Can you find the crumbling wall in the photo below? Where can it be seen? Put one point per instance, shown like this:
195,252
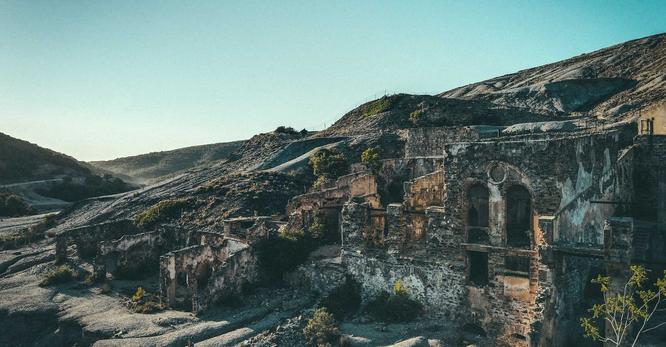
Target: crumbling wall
194,277
131,255
87,238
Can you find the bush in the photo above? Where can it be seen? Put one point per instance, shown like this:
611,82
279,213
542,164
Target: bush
329,163
345,300
286,130
165,209
321,329
415,116
318,229
144,302
138,295
283,254
69,190
370,158
396,307
62,274
12,205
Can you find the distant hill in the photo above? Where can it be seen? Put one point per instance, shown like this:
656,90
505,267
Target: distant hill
145,168
46,179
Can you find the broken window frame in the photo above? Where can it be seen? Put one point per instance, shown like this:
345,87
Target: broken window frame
475,277
477,229
513,228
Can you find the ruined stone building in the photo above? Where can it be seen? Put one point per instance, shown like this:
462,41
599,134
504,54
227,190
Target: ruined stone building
503,233
495,230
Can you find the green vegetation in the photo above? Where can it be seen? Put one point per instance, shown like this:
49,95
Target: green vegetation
415,116
283,254
629,313
12,205
292,234
138,294
318,228
321,329
62,274
163,210
370,158
329,163
345,300
144,302
395,307
286,130
380,105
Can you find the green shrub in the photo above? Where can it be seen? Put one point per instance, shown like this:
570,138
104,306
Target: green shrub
277,256
318,228
380,105
144,302
286,130
12,205
321,329
415,116
345,300
329,163
138,294
395,307
62,274
370,158
163,210
292,234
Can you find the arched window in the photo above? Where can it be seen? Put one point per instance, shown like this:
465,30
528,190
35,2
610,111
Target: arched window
477,214
518,216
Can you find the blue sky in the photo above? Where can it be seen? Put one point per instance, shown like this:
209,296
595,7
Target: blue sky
103,79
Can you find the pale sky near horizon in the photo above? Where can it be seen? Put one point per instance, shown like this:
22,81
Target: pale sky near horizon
104,79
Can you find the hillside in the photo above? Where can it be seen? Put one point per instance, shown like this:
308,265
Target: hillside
151,166
46,179
207,184
613,82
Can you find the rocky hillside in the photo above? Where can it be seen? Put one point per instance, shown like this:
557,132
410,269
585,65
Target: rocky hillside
149,167
613,82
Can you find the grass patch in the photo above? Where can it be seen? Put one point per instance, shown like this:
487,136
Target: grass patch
380,105
163,210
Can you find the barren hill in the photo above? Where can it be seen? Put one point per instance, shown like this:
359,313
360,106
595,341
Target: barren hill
147,167
611,82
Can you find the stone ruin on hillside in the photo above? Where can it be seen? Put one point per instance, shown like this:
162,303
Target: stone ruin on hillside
496,230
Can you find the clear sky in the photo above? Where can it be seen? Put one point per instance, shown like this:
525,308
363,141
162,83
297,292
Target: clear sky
103,79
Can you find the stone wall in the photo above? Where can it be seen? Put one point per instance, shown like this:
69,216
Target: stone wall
87,238
131,256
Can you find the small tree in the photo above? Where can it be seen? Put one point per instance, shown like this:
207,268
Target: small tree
370,158
329,163
321,330
627,313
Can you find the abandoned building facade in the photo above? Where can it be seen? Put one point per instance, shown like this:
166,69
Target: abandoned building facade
498,232
502,234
